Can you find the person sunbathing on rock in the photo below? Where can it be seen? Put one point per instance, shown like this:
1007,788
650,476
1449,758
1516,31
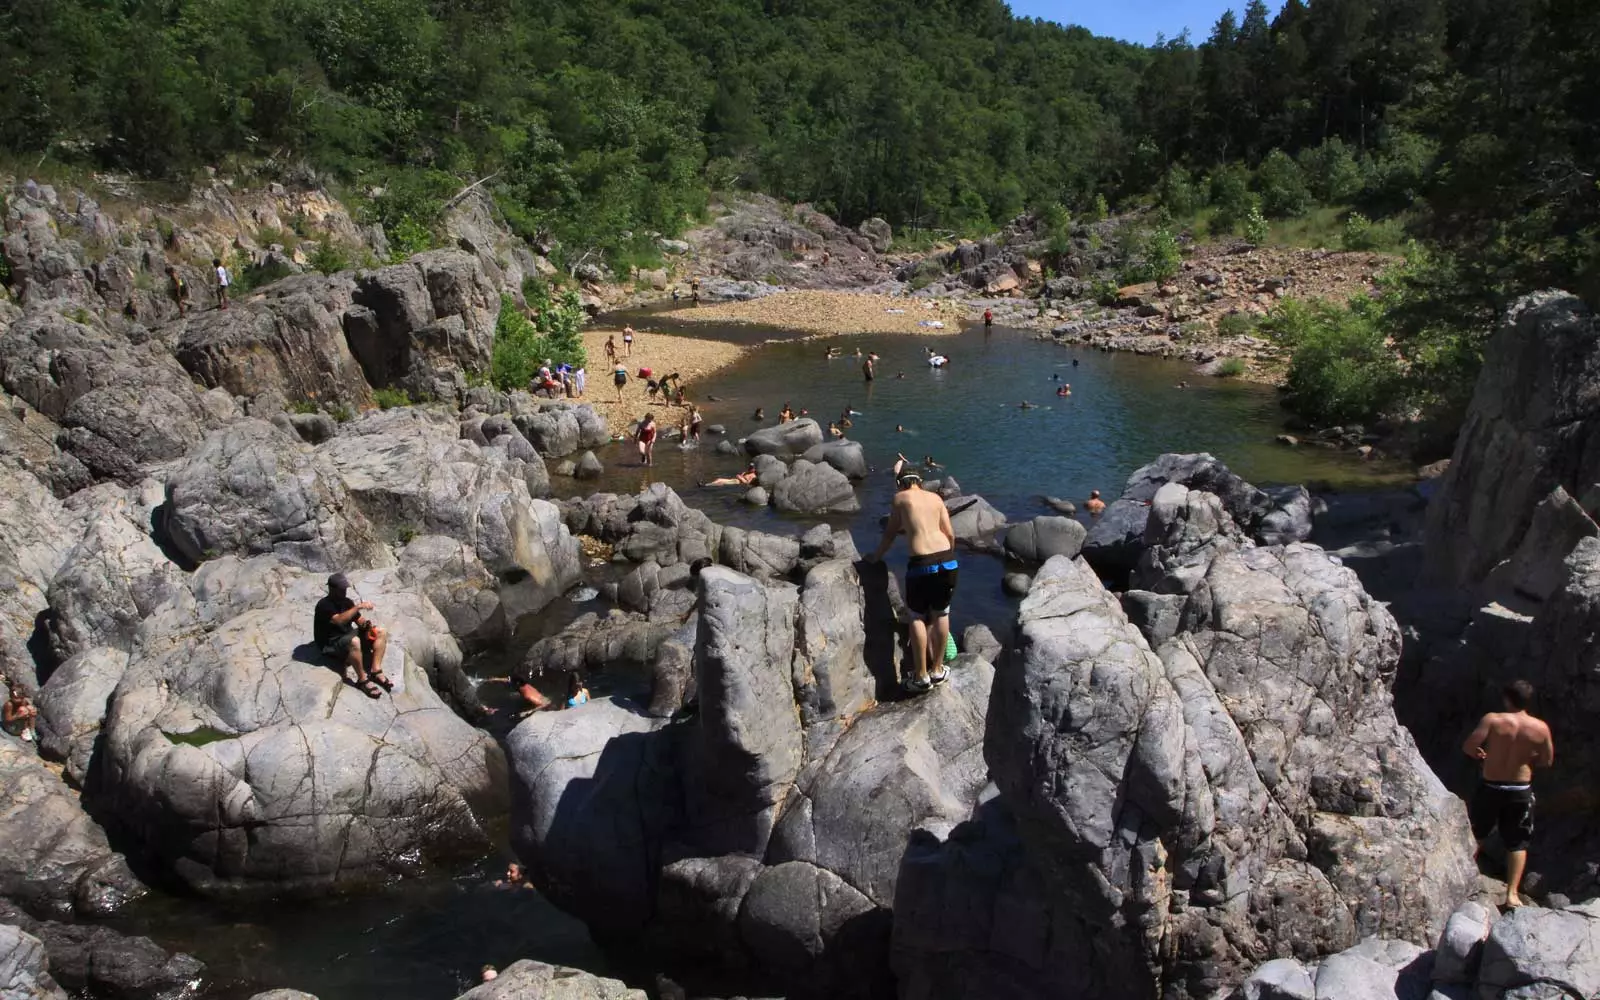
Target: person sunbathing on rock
346,638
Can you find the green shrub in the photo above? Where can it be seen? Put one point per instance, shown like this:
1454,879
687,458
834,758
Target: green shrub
1099,210
388,399
302,406
5,271
407,238
1105,292
1331,172
1236,324
341,413
1283,186
1231,368
521,346
329,257
1230,193
1341,368
1149,257
1256,229
1178,193
1358,233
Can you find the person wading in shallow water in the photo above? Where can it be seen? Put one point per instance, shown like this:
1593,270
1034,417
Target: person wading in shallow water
1509,745
930,572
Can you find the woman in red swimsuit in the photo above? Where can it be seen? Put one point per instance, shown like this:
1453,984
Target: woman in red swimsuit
646,436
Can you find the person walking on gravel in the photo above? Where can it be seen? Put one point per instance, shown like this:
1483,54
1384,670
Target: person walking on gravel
1509,745
930,572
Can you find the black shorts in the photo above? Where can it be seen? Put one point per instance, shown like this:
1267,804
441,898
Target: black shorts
1506,808
931,583
338,648
620,379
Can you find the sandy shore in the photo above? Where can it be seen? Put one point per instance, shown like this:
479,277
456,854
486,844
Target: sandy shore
826,314
691,357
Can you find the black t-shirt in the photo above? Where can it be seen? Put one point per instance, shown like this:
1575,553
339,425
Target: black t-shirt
323,628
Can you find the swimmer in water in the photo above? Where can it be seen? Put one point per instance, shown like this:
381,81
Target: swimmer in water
760,414
844,418
1063,391
1025,405
929,463
900,375
899,428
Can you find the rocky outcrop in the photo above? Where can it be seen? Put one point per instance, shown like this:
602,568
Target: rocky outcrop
424,325
25,967
764,831
1042,538
36,533
815,489
557,429
123,406
1116,537
1167,816
97,961
1530,428
288,338
530,980
786,441
72,707
53,859
408,473
1532,952
251,489
114,577
846,456
290,780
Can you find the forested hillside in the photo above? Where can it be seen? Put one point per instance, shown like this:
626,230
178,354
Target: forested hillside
1473,125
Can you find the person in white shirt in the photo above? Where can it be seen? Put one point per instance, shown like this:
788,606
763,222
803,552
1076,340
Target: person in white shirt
222,283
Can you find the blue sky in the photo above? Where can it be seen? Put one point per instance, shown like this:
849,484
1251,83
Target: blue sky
1136,20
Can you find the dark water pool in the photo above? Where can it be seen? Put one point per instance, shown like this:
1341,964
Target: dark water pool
425,938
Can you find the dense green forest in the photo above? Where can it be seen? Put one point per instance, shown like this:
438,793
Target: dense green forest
1475,125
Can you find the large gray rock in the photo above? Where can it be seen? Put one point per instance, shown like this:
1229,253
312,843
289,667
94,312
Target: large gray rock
831,680
413,475
1460,948
878,233
975,522
1036,541
815,489
1534,943
1530,428
94,960
72,706
36,533
1161,799
424,325
25,967
236,755
530,980
288,338
109,582
452,576
770,470
846,456
123,406
557,429
32,441
53,858
251,489
749,741
790,440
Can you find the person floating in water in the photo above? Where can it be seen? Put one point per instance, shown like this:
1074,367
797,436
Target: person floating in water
844,419
899,428
1025,405
760,414
1508,745
929,463
930,573
745,478
1094,505
786,414
835,432
1063,391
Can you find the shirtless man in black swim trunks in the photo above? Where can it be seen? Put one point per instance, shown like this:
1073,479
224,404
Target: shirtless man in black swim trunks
1510,744
930,572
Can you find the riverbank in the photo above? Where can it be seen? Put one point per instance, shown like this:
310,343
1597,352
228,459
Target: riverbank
693,358
832,313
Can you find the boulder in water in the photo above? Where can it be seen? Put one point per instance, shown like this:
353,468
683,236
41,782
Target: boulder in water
1037,540
588,467
530,980
846,456
815,489
756,497
788,440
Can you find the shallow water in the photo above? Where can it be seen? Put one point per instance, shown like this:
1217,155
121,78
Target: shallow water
1124,411
425,938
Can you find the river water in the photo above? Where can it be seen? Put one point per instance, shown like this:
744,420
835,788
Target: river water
425,938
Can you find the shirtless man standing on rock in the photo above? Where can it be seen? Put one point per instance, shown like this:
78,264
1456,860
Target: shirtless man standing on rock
1510,744
930,573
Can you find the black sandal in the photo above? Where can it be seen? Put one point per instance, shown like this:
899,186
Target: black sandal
367,688
381,679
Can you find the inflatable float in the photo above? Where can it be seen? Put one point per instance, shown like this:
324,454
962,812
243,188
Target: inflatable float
938,360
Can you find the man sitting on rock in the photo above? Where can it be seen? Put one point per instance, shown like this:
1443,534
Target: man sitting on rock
1510,744
930,572
342,635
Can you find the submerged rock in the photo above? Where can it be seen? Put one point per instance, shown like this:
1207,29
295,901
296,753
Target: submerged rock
530,980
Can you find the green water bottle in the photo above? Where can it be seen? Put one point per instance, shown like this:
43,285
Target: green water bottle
950,652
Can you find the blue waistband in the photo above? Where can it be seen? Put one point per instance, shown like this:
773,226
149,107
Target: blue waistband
930,570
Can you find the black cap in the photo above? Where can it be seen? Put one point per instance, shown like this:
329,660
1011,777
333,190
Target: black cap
339,582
